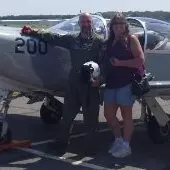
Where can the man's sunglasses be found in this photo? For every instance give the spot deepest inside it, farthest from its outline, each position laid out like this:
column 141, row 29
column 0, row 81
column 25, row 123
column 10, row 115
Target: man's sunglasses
column 85, row 22
column 119, row 23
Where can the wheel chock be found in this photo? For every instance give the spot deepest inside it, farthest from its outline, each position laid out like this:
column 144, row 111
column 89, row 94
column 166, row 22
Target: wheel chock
column 15, row 144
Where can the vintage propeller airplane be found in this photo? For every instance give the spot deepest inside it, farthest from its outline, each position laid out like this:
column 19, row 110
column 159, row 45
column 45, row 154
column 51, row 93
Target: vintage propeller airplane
column 40, row 71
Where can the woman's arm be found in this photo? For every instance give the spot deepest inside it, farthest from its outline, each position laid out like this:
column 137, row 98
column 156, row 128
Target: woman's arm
column 137, row 53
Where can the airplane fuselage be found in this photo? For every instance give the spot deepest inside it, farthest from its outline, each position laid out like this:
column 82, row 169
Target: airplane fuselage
column 29, row 63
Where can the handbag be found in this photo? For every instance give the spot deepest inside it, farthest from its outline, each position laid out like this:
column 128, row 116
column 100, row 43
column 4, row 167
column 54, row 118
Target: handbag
column 140, row 85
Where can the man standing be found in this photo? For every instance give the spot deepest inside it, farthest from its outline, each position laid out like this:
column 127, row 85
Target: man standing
column 84, row 47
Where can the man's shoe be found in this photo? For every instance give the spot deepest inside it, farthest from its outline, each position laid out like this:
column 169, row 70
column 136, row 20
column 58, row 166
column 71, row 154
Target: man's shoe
column 90, row 151
column 59, row 147
column 90, row 148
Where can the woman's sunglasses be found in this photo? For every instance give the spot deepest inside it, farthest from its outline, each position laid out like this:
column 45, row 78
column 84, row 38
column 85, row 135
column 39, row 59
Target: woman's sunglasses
column 119, row 23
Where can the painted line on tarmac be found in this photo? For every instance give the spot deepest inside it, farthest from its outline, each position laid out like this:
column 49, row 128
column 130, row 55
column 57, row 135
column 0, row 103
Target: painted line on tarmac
column 63, row 159
column 72, row 137
column 67, row 160
column 42, row 142
column 77, row 135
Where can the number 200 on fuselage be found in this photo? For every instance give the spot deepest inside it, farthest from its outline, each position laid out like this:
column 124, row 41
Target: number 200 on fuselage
column 30, row 46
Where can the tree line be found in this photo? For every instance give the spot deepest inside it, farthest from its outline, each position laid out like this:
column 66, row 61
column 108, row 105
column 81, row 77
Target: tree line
column 162, row 15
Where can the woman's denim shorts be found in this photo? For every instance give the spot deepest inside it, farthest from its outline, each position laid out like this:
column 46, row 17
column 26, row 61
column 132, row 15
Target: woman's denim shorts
column 120, row 96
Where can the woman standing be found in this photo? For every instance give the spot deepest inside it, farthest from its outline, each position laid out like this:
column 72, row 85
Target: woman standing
column 124, row 57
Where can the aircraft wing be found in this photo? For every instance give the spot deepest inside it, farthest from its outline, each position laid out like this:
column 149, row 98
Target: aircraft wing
column 160, row 84
column 159, row 89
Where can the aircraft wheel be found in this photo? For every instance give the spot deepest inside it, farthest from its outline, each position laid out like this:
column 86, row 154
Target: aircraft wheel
column 51, row 113
column 157, row 134
column 7, row 137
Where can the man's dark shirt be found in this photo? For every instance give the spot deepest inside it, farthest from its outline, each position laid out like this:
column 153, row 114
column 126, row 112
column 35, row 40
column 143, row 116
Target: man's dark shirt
column 81, row 49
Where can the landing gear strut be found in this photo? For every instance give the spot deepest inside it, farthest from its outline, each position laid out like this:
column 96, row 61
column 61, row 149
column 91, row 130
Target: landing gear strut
column 5, row 132
column 51, row 111
column 158, row 122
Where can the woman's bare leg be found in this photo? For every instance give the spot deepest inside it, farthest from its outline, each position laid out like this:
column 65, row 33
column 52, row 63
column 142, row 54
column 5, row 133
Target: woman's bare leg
column 110, row 111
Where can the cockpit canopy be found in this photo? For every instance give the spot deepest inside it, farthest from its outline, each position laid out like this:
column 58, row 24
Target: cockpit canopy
column 71, row 26
column 157, row 32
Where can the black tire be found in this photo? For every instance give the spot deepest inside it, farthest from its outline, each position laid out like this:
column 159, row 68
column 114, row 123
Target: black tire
column 157, row 134
column 51, row 117
column 7, row 138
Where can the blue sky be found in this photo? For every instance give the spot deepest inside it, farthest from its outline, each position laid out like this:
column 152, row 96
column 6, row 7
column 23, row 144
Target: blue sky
column 19, row 7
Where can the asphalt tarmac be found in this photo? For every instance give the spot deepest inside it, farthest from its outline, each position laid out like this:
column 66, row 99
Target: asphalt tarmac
column 25, row 123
